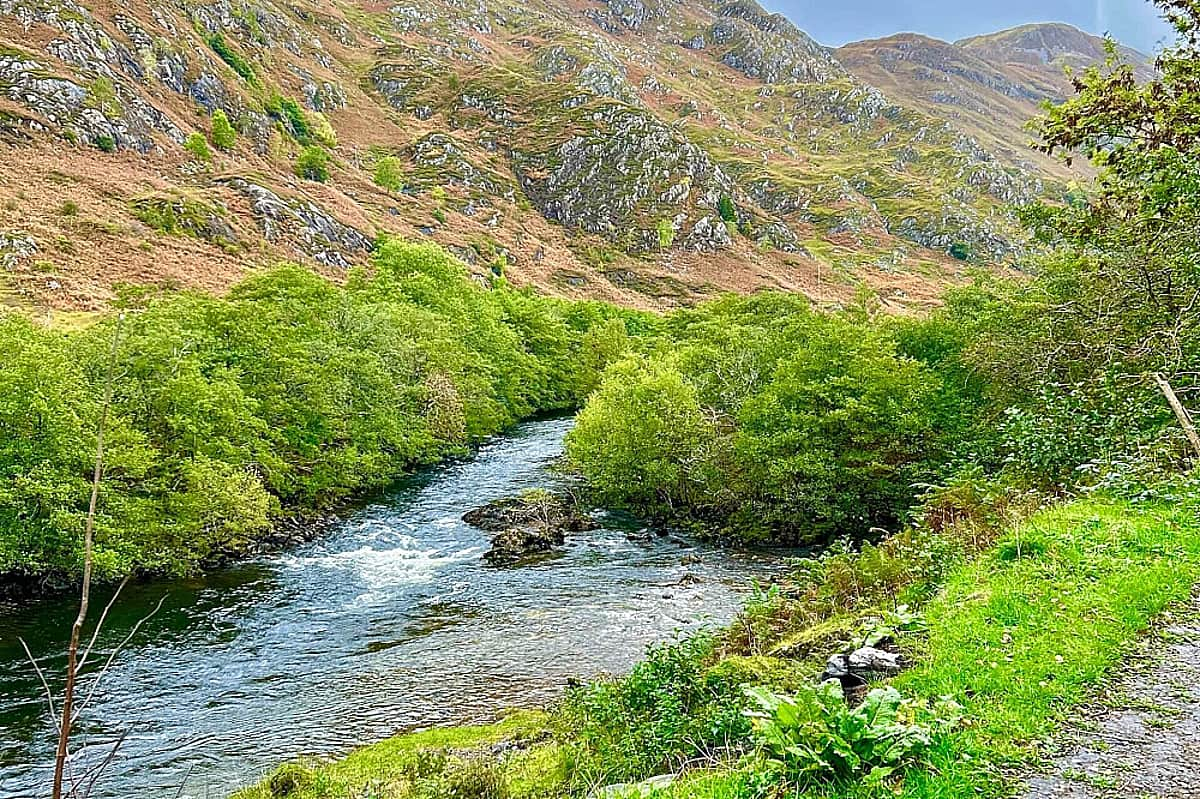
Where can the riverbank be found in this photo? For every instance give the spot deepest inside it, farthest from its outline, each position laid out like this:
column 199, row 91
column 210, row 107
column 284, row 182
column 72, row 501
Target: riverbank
column 1018, row 625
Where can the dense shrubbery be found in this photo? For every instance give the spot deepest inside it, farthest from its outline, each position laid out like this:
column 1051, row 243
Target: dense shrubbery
column 289, row 391
column 772, row 420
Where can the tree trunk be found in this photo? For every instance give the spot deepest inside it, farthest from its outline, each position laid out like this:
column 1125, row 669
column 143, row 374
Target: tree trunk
column 1181, row 413
column 64, row 729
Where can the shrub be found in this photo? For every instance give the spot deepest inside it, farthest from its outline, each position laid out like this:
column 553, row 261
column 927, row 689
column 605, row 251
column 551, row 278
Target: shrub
column 313, row 164
column 105, row 143
column 816, row 736
column 322, row 131
column 389, row 173
column 666, row 234
column 197, row 145
column 289, row 112
column 224, row 137
column 960, row 250
column 668, row 710
column 231, row 57
column 727, row 210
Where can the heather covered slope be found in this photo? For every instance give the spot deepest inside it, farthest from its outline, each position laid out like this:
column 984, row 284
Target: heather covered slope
column 645, row 152
column 989, row 87
column 649, row 153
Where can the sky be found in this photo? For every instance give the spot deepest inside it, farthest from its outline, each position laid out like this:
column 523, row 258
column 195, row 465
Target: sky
column 1133, row 22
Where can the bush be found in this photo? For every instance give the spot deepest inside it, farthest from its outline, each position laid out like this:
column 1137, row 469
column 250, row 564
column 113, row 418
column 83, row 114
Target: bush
column 224, row 137
column 197, row 145
column 769, row 420
column 389, row 173
column 292, row 116
column 105, row 143
column 816, row 736
column 230, row 56
column 668, row 710
column 727, row 210
column 313, row 164
column 666, row 234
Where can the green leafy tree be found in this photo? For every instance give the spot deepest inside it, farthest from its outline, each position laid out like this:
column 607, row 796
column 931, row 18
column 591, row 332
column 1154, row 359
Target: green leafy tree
column 197, row 145
column 313, row 164
column 224, row 137
column 389, row 174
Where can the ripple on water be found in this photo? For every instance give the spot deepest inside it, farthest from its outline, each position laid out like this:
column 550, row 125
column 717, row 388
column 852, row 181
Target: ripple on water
column 391, row 622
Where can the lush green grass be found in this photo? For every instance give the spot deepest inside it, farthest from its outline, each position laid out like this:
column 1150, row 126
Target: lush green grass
column 394, row 767
column 1019, row 641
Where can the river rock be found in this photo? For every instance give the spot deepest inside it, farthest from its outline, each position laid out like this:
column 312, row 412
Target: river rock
column 531, row 509
column 862, row 665
column 528, row 525
column 521, row 543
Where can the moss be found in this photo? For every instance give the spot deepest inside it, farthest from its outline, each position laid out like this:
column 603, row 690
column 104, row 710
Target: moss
column 392, row 766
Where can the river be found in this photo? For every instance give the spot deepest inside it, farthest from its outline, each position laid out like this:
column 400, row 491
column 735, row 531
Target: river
column 390, row 622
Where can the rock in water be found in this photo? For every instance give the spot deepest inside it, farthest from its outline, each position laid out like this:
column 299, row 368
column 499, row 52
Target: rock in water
column 531, row 524
column 520, row 543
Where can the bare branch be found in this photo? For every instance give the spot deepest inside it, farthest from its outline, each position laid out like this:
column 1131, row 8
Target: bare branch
column 113, row 655
column 41, row 676
column 87, row 653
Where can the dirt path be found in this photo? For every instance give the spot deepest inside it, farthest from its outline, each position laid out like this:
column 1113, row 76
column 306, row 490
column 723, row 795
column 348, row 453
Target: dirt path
column 1141, row 740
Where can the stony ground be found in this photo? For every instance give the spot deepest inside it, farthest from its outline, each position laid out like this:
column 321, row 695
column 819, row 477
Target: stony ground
column 1142, row 738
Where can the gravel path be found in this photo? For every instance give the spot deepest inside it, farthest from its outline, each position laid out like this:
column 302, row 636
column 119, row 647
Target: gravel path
column 1141, row 740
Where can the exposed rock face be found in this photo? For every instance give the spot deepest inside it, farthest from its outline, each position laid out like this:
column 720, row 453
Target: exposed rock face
column 625, row 173
column 15, row 247
column 314, row 232
column 769, row 47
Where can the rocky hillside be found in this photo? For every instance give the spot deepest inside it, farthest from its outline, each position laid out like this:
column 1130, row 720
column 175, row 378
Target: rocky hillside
column 987, row 86
column 650, row 152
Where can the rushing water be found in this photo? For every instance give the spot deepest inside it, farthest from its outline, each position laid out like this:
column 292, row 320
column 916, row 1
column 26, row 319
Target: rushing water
column 389, row 623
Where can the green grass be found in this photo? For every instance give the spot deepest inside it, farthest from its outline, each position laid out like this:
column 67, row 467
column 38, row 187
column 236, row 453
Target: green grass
column 1021, row 641
column 386, row 769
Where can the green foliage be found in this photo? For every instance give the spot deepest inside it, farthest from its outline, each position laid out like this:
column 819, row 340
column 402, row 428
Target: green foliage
column 816, row 736
column 313, row 164
column 290, row 392
column 102, row 95
column 231, row 57
column 666, row 234
column 727, row 210
column 197, row 145
column 961, row 251
column 224, row 137
column 389, row 174
column 105, row 143
column 769, row 419
column 668, row 710
column 289, row 113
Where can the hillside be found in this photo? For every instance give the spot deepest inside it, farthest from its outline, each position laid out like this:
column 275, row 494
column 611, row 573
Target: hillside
column 649, row 153
column 990, row 86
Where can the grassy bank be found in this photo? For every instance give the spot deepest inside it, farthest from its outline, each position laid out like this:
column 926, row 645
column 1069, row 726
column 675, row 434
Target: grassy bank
column 1017, row 626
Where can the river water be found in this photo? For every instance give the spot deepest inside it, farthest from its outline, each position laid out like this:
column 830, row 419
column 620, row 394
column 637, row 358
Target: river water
column 390, row 622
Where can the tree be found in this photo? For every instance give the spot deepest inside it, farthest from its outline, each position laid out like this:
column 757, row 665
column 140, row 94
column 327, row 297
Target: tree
column 197, row 145
column 224, row 137
column 389, row 173
column 313, row 164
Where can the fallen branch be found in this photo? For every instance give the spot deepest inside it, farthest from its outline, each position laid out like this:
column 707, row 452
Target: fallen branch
column 1181, row 413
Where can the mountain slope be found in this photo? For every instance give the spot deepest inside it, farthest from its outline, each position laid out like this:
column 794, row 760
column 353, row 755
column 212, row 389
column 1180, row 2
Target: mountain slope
column 649, row 152
column 988, row 86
